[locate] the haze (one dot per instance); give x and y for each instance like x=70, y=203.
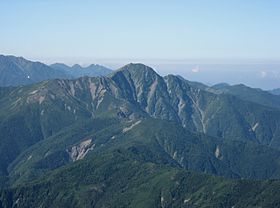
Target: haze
x=165, y=34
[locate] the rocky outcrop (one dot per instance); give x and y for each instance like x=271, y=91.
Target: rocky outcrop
x=131, y=127
x=78, y=152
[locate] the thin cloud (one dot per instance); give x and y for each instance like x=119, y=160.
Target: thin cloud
x=263, y=74
x=196, y=69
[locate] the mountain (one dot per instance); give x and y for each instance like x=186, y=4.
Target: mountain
x=220, y=86
x=194, y=84
x=16, y=71
x=249, y=94
x=77, y=71
x=137, y=92
x=220, y=115
x=275, y=91
x=135, y=138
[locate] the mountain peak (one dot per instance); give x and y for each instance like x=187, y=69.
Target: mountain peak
x=137, y=65
x=58, y=65
x=13, y=58
x=78, y=66
x=137, y=68
x=220, y=86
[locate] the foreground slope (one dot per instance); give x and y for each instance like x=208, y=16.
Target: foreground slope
x=123, y=178
x=160, y=141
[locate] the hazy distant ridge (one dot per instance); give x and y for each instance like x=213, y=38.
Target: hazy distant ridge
x=16, y=71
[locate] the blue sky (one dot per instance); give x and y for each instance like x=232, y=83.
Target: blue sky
x=60, y=30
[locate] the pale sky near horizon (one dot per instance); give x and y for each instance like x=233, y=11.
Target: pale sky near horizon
x=88, y=31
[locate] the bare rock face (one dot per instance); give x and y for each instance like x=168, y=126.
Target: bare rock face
x=37, y=96
x=130, y=127
x=218, y=153
x=78, y=152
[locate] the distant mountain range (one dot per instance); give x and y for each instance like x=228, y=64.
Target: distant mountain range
x=15, y=71
x=259, y=75
x=275, y=91
x=77, y=71
x=247, y=93
x=133, y=138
